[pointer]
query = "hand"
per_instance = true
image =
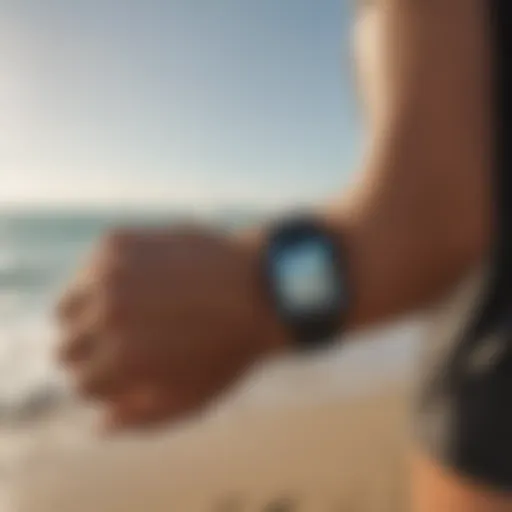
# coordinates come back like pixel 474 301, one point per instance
pixel 161 322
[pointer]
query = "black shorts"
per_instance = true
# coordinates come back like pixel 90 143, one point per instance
pixel 463 410
pixel 463 406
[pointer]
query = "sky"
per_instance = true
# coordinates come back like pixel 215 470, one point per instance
pixel 175 101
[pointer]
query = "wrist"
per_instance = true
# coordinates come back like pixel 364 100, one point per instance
pixel 302 278
pixel 273 337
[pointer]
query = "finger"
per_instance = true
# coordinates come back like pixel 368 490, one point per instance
pixel 83 288
pixel 72 303
pixel 80 336
pixel 142 410
pixel 102 375
pixel 80 295
pixel 78 346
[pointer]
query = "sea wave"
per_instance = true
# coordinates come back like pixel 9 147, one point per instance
pixel 30 381
pixel 40 268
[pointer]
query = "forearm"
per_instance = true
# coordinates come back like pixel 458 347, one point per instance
pixel 421 216
pixel 414 225
pixel 402 252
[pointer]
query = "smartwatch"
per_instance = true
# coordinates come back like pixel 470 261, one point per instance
pixel 307 280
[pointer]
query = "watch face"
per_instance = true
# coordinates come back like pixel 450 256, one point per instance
pixel 305 278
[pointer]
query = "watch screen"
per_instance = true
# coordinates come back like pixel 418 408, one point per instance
pixel 305 278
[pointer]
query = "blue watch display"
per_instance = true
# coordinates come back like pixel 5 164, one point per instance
pixel 306 276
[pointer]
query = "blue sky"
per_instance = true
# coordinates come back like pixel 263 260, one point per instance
pixel 175 101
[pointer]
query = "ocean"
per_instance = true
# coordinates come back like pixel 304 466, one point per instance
pixel 39 251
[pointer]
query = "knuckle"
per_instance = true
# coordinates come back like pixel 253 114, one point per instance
pixel 117 240
pixel 112 278
pixel 188 233
pixel 69 305
pixel 73 347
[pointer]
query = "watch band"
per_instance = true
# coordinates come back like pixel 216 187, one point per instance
pixel 315 324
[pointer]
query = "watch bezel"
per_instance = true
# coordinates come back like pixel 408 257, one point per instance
pixel 314 328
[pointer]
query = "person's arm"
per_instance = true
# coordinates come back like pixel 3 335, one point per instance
pixel 421 214
pixel 164 321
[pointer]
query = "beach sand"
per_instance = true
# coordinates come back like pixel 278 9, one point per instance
pixel 340 456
